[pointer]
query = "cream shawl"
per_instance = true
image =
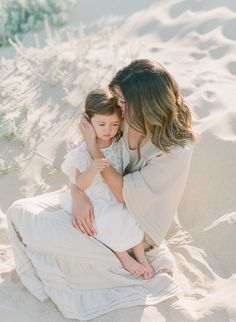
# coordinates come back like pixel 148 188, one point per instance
pixel 153 189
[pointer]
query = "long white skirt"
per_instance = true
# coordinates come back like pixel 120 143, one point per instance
pixel 79 274
pixel 115 227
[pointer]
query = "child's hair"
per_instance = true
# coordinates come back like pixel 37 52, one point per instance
pixel 100 101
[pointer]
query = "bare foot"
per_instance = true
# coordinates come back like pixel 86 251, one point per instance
pixel 149 271
pixel 130 264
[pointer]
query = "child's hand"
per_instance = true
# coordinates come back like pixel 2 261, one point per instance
pixel 98 165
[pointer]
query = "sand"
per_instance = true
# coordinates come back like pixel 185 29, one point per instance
pixel 43 82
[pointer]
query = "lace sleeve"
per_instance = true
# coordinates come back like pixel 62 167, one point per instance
pixel 78 158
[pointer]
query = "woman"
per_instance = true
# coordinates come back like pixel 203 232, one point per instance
pixel 159 136
pixel 81 275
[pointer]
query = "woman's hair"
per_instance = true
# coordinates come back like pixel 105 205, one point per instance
pixel 100 101
pixel 154 102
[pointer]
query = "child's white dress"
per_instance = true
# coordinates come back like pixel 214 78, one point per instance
pixel 115 227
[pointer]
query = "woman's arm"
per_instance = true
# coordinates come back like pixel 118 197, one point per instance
pixel 82 211
pixel 153 193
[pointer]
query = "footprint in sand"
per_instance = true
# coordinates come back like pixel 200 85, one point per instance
pixel 154 49
pixel 229 28
pixel 198 55
pixel 187 92
pixel 219 52
pixel 149 27
pixel 232 68
pixel 210 96
pixel 205 45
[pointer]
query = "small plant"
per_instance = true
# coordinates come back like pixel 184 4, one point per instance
pixel 4 169
pixel 11 132
pixel 25 110
pixel 3 94
pixel 12 166
pixel 52 169
pixel 17 16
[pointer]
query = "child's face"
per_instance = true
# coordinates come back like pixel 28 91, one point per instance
pixel 106 126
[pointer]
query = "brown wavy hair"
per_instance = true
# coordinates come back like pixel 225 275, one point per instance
pixel 154 101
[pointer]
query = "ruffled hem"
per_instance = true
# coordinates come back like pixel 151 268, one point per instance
pixel 80 275
pixel 76 302
pixel 89 304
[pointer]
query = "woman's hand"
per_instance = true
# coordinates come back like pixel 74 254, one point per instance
pixel 87 130
pixel 82 212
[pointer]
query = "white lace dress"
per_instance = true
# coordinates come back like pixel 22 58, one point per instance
pixel 115 227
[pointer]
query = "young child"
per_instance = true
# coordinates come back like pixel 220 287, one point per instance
pixel 114 226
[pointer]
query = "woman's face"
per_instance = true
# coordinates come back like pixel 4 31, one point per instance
pixel 120 99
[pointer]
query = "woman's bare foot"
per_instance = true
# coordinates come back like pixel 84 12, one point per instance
pixel 130 264
pixel 149 271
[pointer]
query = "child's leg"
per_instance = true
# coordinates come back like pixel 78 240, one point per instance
pixel 130 264
pixel 141 258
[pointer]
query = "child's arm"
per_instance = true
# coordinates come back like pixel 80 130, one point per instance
pixel 84 180
pixel 113 178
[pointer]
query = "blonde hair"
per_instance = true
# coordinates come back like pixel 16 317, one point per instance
pixel 154 102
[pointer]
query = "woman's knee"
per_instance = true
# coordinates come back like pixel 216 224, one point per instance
pixel 35 205
pixel 23 206
pixel 18 205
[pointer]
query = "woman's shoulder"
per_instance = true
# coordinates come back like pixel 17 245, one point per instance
pixel 177 154
pixel 178 150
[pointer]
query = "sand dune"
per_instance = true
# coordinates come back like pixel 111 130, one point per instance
pixel 43 82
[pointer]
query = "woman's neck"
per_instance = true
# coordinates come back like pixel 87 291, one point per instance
pixel 134 137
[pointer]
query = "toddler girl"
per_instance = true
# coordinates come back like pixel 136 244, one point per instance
pixel 114 226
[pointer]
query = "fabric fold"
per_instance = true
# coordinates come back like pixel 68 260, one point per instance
pixel 79 274
pixel 160 182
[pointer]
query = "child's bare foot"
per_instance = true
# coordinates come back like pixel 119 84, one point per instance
pixel 130 264
pixel 149 271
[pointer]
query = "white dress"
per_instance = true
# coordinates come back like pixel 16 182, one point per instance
pixel 115 227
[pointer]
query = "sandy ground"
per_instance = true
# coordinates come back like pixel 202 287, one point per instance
pixel 43 82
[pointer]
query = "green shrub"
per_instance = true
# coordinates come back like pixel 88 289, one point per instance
pixel 19 16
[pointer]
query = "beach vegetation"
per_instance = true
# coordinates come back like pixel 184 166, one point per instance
pixel 21 16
